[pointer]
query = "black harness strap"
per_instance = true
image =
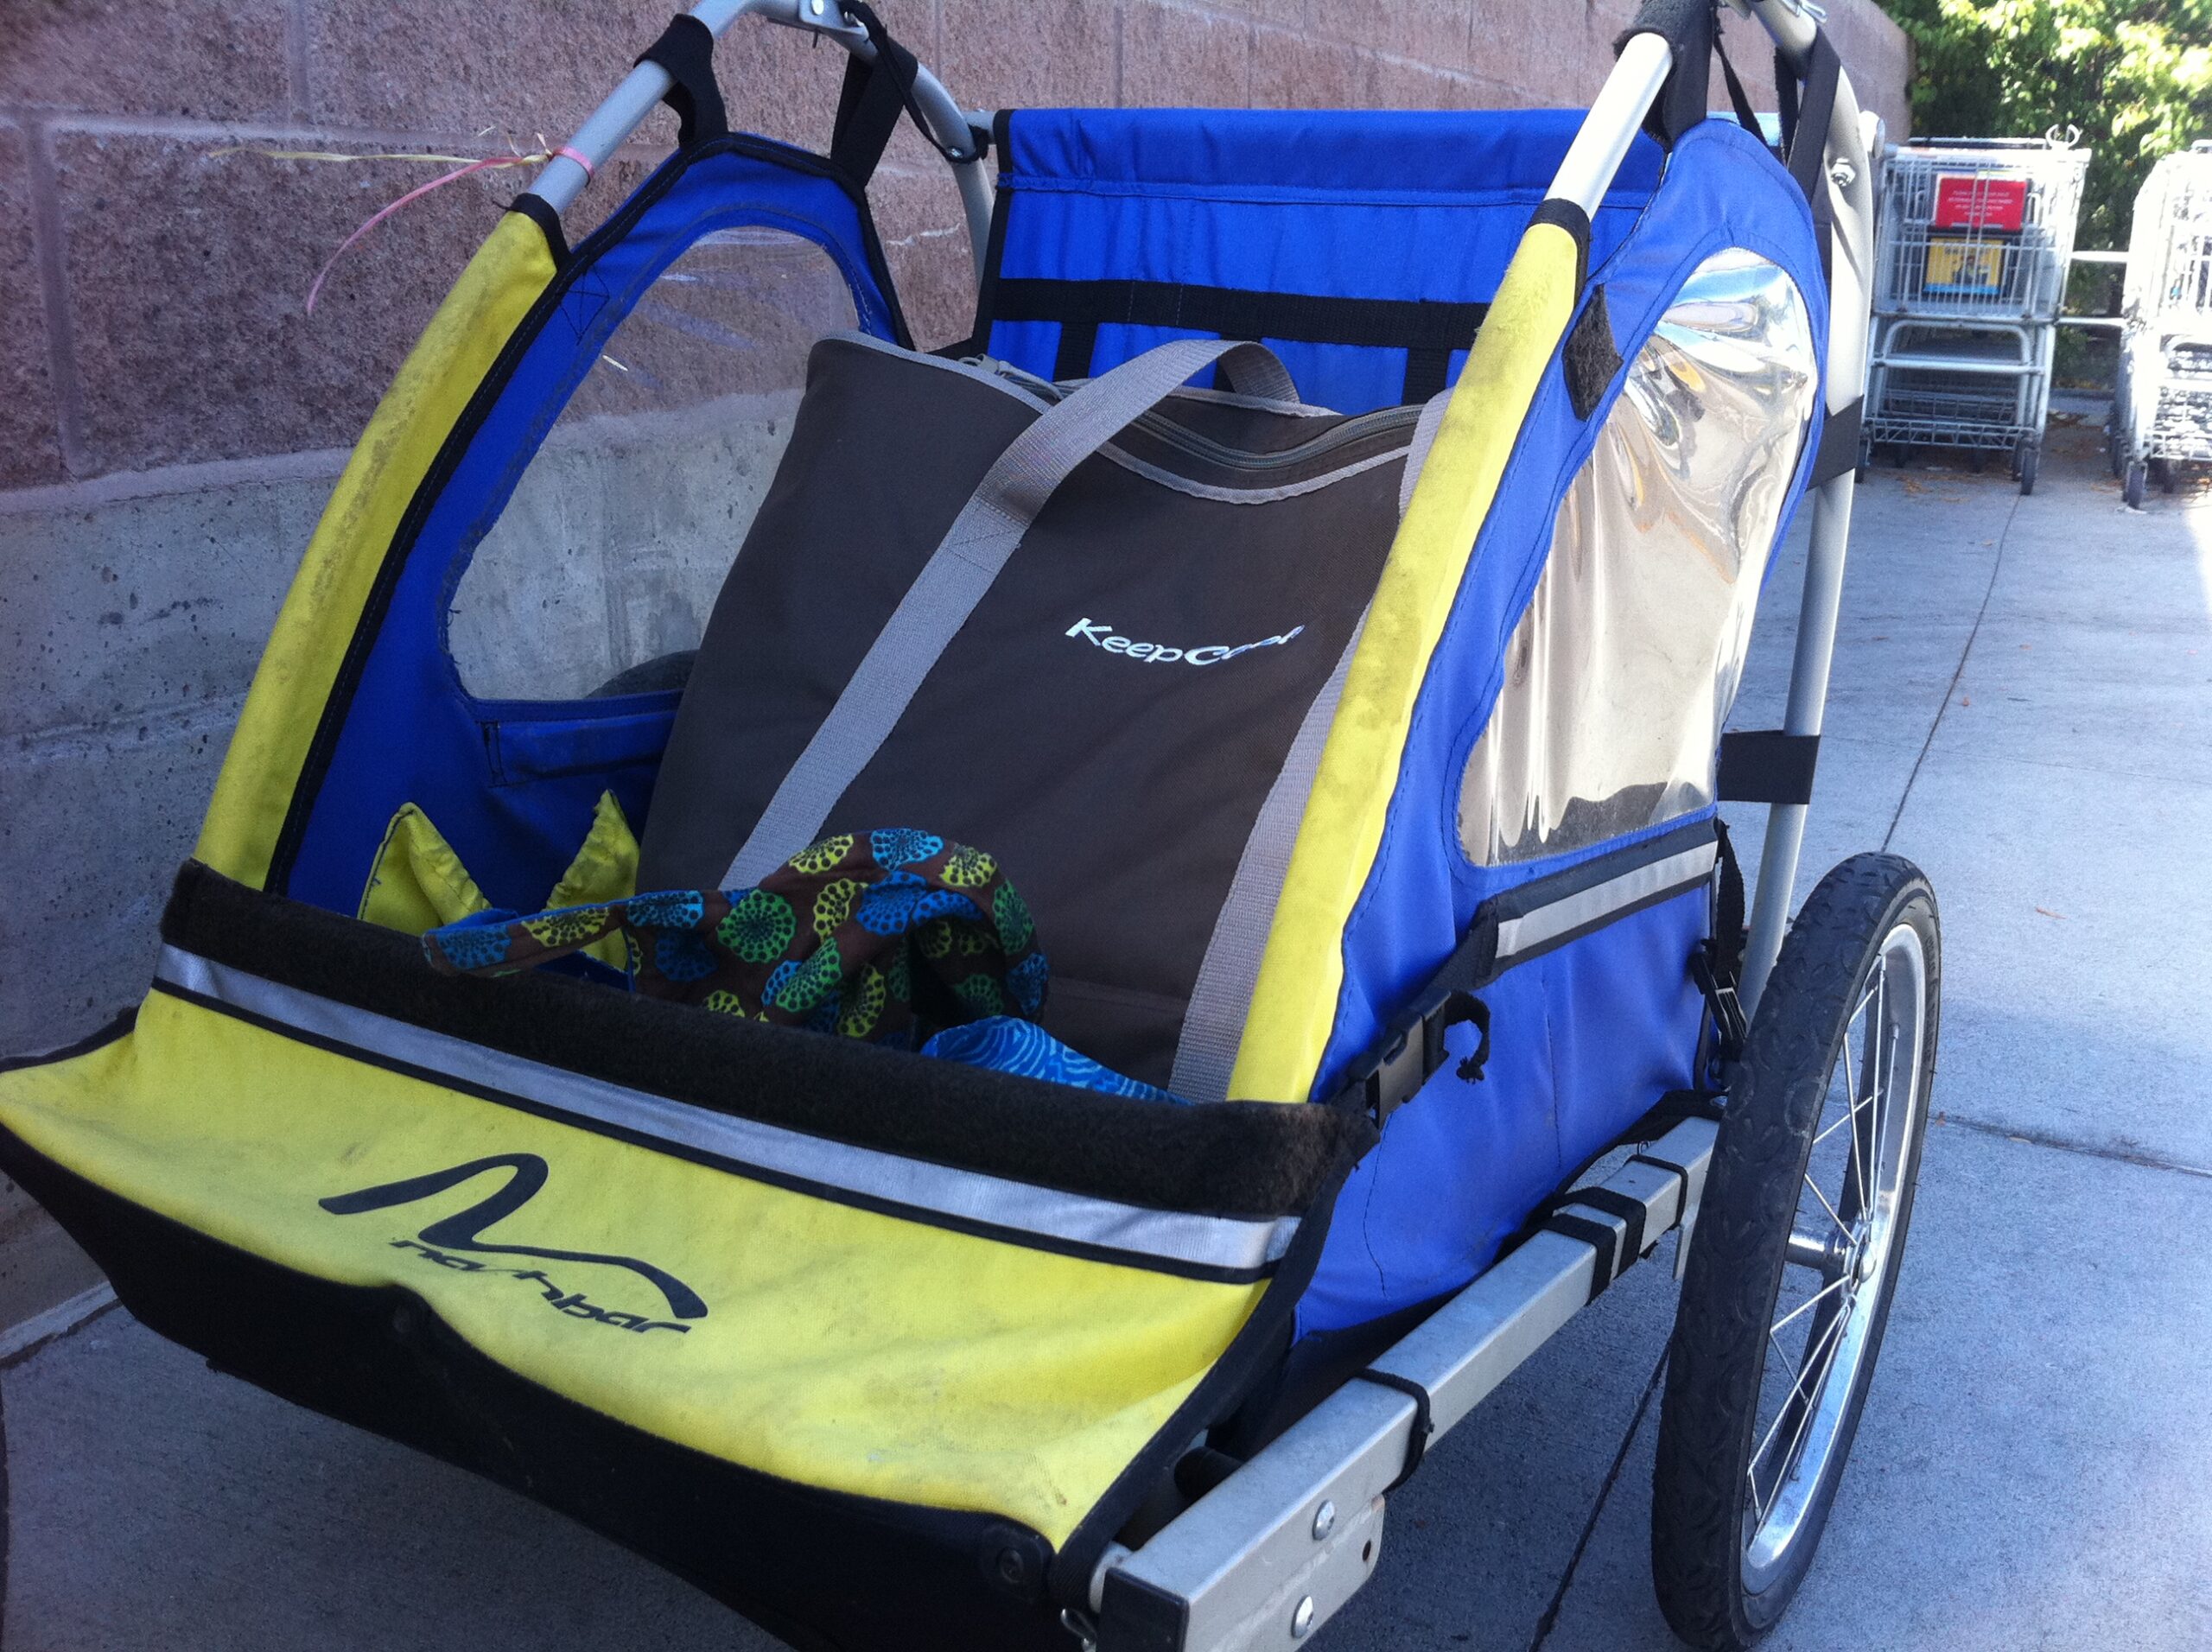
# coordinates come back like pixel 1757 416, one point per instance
pixel 1424 1420
pixel 1717 965
pixel 686 50
pixel 1428 330
pixel 872 99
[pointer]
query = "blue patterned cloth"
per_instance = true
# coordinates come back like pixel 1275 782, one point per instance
pixel 1005 1045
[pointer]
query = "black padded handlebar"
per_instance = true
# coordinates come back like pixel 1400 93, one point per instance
pixel 1689 27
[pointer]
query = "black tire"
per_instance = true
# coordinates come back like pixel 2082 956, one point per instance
pixel 1716 1362
pixel 2131 485
pixel 2030 459
pixel 2162 471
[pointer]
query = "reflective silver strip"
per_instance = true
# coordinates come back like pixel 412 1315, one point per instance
pixel 1601 900
pixel 925 1192
pixel 1220 997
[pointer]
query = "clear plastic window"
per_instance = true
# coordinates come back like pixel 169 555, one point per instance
pixel 1621 674
pixel 599 574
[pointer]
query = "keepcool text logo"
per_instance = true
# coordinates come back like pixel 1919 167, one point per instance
pixel 453 1242
pixel 1099 635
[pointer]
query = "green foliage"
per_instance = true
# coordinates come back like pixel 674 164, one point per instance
pixel 2134 75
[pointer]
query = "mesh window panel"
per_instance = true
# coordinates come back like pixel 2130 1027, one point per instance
pixel 599 574
pixel 1621 673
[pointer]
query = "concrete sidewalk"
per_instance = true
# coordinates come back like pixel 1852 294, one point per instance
pixel 2022 703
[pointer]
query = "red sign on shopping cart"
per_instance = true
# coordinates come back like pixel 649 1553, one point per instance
pixel 1980 201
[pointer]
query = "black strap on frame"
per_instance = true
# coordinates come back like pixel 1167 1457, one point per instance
pixel 1424 1420
pixel 1717 965
pixel 686 50
pixel 1767 765
pixel 872 99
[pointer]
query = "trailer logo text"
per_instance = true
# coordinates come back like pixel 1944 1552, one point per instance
pixel 453 1242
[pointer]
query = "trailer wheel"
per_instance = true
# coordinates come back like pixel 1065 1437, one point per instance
pixel 2132 487
pixel 2030 459
pixel 1795 1256
pixel 2162 471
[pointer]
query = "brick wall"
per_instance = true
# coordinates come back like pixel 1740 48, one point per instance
pixel 156 282
pixel 171 418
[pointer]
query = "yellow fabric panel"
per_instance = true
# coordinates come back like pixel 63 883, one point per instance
pixel 606 869
pixel 417 882
pixel 1302 968
pixel 323 607
pixel 840 1348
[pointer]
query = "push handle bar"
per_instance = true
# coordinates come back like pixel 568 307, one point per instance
pixel 609 126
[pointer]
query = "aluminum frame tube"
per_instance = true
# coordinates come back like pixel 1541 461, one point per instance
pixel 608 127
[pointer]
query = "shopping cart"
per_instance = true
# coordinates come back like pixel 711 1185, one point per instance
pixel 1975 238
pixel 2162 405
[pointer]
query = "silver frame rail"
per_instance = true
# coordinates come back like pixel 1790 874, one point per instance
pixel 1277 1547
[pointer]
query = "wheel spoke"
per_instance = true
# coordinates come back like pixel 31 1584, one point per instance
pixel 1799 1400
pixel 1836 1283
pixel 1842 1226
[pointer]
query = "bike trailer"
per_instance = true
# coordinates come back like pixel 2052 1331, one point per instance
pixel 1345 700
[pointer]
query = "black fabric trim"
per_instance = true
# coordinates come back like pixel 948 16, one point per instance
pixel 1569 216
pixel 1023 1237
pixel 540 211
pixel 117 1026
pixel 1249 1159
pixel 1424 1420
pixel 1078 344
pixel 1428 330
pixel 330 725
pixel 1838 453
pixel 1243 313
pixel 1630 1209
pixel 1600 1236
pixel 1254 1354
pixel 1590 358
pixel 1767 765
pixel 686 50
pixel 786 1555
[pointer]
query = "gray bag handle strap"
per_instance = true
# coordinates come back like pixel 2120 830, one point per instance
pixel 1260 374
pixel 955 577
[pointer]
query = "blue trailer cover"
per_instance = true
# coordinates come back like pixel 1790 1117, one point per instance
pixel 1588 1037
pixel 513 785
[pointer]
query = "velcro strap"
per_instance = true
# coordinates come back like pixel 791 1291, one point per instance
pixel 686 50
pixel 1600 1236
pixel 1424 1420
pixel 1839 449
pixel 1626 1206
pixel 1767 765
pixel 1680 1173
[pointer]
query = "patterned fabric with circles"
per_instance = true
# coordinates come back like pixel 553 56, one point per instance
pixel 888 935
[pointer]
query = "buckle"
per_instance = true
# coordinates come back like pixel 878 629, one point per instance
pixel 1414 1053
pixel 1732 1024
